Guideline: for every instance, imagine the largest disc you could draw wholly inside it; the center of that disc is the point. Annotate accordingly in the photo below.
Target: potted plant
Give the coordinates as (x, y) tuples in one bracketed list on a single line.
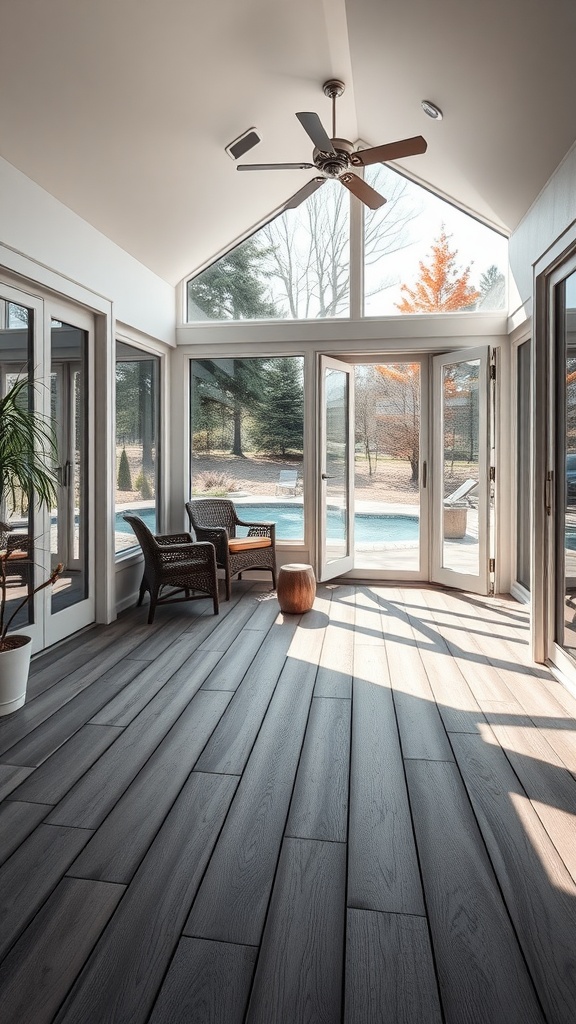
[(27, 451)]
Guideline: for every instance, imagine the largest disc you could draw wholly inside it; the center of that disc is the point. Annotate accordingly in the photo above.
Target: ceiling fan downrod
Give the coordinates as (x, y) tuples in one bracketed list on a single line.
[(333, 88)]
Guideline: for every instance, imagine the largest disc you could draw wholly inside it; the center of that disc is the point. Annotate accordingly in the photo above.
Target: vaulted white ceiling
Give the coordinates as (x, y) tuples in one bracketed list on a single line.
[(121, 109)]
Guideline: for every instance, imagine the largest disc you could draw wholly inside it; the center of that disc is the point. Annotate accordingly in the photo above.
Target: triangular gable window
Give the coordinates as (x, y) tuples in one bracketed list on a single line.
[(421, 255)]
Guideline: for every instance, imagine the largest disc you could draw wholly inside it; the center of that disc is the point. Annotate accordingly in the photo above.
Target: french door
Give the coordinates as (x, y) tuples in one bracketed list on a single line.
[(420, 510), (50, 345), (336, 469), (461, 485), (70, 603)]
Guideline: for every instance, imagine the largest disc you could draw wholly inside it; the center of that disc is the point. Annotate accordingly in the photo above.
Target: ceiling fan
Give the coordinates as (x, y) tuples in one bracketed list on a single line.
[(336, 157)]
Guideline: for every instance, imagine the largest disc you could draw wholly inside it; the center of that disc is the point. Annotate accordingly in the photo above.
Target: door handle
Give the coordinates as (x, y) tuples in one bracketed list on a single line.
[(424, 474), (325, 476), (67, 474)]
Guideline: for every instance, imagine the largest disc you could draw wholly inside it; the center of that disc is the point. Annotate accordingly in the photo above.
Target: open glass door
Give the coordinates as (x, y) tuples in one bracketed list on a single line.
[(70, 603), (336, 469), (461, 493)]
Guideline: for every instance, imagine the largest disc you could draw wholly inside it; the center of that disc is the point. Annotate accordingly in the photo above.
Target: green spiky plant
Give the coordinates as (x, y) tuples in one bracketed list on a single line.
[(28, 450)]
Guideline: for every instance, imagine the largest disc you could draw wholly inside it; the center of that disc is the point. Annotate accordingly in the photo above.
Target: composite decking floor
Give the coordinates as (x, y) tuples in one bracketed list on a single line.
[(364, 814)]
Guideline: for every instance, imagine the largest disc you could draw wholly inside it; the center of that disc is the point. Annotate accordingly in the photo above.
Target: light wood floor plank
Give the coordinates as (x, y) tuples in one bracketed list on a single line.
[(484, 683), (539, 892), (550, 788), (336, 667), (383, 869), (421, 728), (457, 705)]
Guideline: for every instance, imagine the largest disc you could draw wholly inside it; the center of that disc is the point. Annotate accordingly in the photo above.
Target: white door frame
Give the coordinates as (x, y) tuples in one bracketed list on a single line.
[(60, 624), (327, 570), (477, 583)]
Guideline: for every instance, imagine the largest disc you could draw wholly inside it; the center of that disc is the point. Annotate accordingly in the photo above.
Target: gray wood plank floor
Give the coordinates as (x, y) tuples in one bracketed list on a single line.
[(362, 815)]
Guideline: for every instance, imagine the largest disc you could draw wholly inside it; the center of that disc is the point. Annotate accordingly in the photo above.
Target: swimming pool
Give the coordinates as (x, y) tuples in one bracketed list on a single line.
[(369, 527)]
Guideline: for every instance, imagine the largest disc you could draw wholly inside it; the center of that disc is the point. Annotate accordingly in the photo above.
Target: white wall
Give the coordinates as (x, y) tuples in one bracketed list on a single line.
[(38, 226), (551, 213)]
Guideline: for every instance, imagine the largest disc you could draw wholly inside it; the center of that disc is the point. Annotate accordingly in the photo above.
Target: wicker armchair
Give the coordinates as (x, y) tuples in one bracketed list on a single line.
[(216, 519), (19, 563), (176, 561)]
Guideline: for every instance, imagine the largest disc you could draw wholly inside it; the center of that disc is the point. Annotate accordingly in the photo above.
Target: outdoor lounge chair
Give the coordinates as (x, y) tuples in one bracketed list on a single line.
[(287, 481), (461, 493), (176, 561), (216, 519)]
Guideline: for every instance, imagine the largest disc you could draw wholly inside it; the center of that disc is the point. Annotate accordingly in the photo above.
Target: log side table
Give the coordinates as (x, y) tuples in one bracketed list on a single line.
[(296, 588)]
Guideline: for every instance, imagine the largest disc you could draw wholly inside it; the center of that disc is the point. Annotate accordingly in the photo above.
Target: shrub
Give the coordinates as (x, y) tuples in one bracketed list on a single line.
[(124, 478), (214, 482), (142, 484)]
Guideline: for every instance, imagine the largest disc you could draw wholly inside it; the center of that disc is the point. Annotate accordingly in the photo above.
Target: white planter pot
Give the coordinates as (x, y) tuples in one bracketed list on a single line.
[(14, 668)]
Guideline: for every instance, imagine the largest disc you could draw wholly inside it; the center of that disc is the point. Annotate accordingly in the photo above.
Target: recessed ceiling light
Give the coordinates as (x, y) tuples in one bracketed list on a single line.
[(432, 110)]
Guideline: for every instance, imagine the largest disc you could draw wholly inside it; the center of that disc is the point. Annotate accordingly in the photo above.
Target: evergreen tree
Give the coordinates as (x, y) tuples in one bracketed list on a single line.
[(278, 426), (492, 289), (237, 384), (442, 286), (233, 288), (124, 478)]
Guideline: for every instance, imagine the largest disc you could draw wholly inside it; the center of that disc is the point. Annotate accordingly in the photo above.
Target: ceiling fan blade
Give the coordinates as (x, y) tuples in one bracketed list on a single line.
[(273, 167), (303, 194), (362, 190), (312, 124), (391, 151)]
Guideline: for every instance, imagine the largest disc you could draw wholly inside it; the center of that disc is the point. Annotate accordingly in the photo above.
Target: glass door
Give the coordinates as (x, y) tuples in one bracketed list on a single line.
[(70, 603), (561, 480), (336, 469), (391, 468), (461, 503)]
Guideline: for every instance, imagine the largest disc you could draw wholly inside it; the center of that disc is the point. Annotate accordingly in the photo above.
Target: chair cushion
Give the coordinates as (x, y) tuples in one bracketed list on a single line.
[(248, 543)]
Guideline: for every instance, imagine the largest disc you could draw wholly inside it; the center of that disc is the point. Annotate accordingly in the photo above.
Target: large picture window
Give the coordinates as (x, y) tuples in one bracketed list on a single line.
[(137, 431), (247, 437)]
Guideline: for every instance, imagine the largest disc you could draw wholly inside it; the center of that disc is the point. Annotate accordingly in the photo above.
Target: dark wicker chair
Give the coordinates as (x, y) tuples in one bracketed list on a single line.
[(19, 564), (177, 561), (216, 519)]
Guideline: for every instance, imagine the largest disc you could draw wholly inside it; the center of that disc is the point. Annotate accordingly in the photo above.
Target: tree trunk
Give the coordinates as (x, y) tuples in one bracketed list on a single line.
[(237, 442)]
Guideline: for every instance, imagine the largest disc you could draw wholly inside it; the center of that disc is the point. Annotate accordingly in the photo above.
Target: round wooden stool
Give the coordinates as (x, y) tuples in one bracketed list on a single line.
[(296, 588)]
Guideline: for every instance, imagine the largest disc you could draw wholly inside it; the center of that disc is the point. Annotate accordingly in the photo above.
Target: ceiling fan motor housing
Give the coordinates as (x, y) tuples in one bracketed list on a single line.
[(333, 165)]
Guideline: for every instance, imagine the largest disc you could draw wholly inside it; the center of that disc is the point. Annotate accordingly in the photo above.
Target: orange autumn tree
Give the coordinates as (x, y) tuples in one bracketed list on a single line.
[(442, 287), (402, 422)]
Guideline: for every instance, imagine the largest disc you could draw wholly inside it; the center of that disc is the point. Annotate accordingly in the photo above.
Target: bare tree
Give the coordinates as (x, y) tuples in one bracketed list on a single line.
[(307, 251)]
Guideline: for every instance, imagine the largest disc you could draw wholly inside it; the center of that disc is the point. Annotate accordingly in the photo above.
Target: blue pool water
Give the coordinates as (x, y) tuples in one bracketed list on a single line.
[(289, 519)]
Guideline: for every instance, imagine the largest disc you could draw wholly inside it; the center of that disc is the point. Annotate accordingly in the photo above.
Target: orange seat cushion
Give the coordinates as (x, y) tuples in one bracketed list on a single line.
[(247, 543)]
